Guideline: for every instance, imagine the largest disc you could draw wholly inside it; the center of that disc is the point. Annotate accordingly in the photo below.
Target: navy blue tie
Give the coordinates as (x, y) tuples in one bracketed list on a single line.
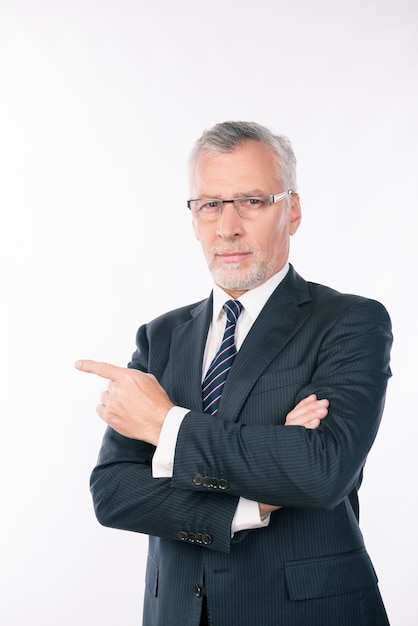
[(215, 378)]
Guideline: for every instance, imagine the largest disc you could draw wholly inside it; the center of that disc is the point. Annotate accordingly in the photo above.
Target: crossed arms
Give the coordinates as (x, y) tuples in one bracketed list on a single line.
[(135, 406), (298, 467)]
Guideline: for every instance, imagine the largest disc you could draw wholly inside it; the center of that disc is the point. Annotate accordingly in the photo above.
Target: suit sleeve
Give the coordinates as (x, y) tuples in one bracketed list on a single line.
[(127, 497), (289, 465)]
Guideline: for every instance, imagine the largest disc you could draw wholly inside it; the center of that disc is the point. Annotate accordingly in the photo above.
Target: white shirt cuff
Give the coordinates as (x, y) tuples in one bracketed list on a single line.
[(247, 516), (163, 459)]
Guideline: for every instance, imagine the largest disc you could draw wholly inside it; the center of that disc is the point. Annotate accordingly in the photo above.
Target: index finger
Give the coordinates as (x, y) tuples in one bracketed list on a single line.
[(104, 370)]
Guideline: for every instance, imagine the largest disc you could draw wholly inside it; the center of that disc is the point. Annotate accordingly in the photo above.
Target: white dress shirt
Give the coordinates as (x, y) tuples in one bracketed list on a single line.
[(247, 514)]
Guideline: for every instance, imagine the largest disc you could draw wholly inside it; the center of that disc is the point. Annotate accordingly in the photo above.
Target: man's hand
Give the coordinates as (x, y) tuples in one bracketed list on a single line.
[(134, 404), (308, 413)]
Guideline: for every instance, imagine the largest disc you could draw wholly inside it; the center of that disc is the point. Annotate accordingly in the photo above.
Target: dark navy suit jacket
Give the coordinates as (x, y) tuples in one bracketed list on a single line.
[(309, 567)]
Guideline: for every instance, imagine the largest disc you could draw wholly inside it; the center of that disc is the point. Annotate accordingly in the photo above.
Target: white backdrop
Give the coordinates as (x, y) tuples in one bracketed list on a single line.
[(100, 102)]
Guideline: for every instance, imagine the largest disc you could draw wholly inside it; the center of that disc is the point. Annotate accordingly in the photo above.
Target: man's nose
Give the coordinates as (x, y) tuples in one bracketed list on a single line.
[(230, 224)]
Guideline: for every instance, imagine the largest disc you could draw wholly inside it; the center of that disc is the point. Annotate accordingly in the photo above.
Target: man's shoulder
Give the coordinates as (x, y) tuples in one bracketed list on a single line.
[(325, 297), (336, 303)]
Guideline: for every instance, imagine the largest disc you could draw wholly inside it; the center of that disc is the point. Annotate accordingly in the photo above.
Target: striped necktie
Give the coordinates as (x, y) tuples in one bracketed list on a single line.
[(215, 378)]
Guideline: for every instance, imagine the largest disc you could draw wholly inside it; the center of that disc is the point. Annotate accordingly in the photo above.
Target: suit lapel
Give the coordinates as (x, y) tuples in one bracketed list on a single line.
[(279, 321), (187, 348)]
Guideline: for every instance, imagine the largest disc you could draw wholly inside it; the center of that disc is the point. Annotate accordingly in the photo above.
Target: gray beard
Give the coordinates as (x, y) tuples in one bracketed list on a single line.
[(240, 281)]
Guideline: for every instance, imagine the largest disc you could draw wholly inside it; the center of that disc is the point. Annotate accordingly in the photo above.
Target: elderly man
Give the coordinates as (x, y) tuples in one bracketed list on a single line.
[(238, 433)]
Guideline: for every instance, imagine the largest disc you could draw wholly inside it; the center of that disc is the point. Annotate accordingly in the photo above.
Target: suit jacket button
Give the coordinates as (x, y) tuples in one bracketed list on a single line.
[(198, 479), (183, 535), (199, 538), (214, 483), (207, 481), (207, 539), (198, 591), (223, 483), (192, 537)]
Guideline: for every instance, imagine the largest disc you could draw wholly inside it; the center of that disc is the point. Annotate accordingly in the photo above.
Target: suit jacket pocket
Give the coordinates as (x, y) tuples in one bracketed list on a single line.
[(151, 576), (329, 576)]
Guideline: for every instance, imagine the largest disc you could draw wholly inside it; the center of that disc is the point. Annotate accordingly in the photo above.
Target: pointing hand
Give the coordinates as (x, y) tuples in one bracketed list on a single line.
[(134, 404)]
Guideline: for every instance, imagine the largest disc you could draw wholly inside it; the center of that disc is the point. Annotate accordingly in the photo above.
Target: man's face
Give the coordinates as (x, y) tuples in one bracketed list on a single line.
[(244, 252)]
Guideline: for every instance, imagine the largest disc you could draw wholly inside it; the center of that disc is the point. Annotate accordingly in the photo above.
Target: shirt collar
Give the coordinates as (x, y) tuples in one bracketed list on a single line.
[(252, 300)]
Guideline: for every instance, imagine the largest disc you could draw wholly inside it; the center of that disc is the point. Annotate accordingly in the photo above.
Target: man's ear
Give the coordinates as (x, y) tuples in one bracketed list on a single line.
[(295, 213)]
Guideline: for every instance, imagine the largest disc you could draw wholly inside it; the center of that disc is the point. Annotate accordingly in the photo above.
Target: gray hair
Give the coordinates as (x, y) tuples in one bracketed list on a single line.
[(227, 136)]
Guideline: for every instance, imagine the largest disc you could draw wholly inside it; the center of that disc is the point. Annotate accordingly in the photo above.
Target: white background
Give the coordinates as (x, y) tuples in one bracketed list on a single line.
[(100, 102)]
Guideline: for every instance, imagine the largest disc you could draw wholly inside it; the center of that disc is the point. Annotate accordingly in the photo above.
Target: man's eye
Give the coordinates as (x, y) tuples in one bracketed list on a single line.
[(211, 205), (253, 203)]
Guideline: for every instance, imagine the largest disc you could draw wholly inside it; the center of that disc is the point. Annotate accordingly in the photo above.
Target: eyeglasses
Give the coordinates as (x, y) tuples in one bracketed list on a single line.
[(208, 209)]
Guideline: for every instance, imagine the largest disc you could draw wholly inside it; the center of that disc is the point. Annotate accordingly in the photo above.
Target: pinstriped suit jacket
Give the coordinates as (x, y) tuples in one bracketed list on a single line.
[(309, 567)]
